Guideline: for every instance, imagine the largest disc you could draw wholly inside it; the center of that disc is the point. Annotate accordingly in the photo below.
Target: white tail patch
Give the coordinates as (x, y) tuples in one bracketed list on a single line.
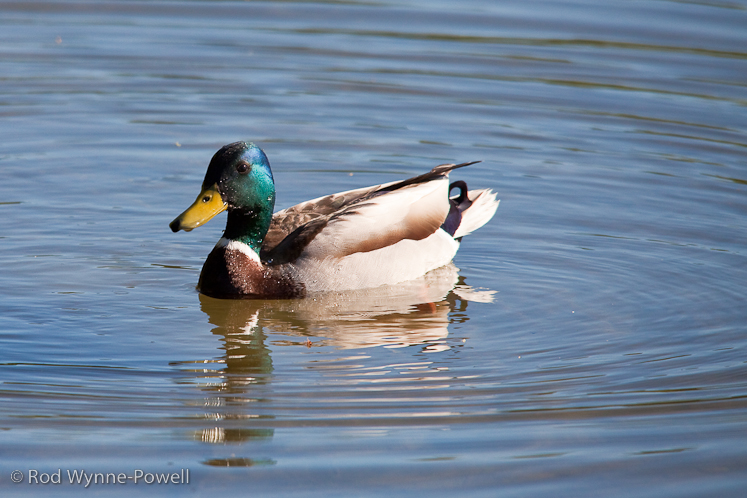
[(480, 212)]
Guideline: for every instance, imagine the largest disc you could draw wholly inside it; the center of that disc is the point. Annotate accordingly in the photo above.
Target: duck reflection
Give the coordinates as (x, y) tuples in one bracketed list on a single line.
[(412, 313)]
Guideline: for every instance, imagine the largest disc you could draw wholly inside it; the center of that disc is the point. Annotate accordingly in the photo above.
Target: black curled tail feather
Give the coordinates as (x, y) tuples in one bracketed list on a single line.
[(457, 205)]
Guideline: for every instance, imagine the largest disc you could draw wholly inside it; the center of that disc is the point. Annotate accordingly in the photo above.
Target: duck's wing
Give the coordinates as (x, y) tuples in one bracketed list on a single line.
[(290, 219), (361, 220)]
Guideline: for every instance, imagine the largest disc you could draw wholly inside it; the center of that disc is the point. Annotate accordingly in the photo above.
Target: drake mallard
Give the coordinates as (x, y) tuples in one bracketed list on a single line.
[(357, 239)]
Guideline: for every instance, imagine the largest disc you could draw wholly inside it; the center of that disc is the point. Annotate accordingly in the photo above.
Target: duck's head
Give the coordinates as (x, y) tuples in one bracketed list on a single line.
[(239, 180)]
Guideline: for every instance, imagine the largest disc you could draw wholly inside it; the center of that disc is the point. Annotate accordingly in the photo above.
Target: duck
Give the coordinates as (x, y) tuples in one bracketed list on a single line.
[(362, 238)]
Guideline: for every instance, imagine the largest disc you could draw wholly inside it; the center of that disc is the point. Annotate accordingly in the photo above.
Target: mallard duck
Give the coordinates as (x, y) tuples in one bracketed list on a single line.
[(357, 239)]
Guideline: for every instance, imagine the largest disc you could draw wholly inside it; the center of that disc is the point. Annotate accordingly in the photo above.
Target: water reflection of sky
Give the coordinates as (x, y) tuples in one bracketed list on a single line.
[(610, 360)]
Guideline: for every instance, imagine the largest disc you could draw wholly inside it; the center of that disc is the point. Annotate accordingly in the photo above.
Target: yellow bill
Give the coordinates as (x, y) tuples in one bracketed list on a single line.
[(208, 204)]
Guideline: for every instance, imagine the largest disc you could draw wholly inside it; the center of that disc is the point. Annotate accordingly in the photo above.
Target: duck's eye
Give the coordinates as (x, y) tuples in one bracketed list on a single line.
[(242, 168)]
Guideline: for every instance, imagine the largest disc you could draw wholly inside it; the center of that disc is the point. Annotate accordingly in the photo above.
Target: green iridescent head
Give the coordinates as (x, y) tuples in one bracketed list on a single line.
[(243, 176), (239, 180)]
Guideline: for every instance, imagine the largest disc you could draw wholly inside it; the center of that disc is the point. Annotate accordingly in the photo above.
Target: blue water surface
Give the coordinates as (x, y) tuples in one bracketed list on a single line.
[(589, 341)]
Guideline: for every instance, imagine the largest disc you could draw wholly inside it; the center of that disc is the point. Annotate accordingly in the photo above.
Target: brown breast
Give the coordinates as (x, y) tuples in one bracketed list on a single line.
[(232, 274)]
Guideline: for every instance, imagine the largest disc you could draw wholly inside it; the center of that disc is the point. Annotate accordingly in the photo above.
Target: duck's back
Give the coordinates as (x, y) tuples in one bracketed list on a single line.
[(374, 236)]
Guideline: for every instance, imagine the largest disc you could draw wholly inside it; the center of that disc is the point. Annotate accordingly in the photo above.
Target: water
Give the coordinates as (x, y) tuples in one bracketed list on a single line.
[(591, 343)]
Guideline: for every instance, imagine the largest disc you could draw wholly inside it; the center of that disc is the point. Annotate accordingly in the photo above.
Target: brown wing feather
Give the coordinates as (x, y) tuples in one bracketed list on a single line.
[(293, 229), (288, 220)]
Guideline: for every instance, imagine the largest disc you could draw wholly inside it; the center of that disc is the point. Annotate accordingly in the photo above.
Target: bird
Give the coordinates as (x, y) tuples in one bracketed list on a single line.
[(358, 239)]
